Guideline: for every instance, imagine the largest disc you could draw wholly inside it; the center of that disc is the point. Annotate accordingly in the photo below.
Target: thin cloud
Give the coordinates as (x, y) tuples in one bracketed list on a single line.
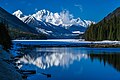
[(36, 9), (79, 6)]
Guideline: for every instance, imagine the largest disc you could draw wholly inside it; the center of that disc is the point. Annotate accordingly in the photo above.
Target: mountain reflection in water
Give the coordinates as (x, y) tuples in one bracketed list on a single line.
[(47, 59)]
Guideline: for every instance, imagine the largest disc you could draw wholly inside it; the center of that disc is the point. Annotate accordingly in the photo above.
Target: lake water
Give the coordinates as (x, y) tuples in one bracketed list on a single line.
[(71, 63)]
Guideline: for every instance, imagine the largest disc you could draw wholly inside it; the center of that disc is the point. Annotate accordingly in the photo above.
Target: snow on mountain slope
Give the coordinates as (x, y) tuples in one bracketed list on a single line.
[(56, 24), (63, 18), (14, 22), (18, 14), (30, 20), (88, 22)]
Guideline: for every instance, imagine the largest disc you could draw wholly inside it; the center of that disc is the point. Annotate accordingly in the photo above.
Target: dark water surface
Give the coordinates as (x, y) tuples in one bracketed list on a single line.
[(71, 63)]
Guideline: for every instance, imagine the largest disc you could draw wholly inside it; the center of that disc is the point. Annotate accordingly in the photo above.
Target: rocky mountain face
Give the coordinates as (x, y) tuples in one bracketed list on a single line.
[(43, 24), (14, 22), (59, 25), (63, 18), (17, 28)]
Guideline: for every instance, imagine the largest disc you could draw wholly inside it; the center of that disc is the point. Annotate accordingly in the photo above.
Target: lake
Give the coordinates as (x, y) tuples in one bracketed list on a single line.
[(70, 63)]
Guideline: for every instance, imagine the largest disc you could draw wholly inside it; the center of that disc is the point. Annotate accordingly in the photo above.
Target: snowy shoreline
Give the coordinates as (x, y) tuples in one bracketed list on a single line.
[(68, 43)]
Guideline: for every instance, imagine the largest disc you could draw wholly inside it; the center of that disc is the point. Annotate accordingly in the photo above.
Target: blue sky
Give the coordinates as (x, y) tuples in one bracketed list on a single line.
[(85, 9)]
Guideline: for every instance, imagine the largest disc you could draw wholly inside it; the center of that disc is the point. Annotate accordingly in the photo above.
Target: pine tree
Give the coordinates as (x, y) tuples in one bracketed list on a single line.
[(5, 39)]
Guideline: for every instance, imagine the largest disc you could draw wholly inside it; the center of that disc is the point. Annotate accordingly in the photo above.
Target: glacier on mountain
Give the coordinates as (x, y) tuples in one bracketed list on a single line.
[(63, 18), (55, 24)]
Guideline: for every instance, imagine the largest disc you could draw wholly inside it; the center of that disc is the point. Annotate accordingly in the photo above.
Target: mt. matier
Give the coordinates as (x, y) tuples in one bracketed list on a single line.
[(106, 29), (43, 24), (55, 25)]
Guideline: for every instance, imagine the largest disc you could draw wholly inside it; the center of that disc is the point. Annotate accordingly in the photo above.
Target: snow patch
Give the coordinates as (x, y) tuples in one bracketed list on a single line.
[(63, 18), (77, 32)]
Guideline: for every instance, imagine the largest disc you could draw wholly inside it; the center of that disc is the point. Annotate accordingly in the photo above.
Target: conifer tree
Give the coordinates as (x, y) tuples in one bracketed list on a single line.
[(5, 39)]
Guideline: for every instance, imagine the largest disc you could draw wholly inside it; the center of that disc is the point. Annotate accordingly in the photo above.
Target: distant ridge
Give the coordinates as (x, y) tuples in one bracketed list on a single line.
[(55, 25), (18, 29), (14, 22)]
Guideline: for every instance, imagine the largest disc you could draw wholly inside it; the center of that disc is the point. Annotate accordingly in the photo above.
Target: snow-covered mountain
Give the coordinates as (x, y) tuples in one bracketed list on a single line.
[(15, 23), (63, 18), (57, 24)]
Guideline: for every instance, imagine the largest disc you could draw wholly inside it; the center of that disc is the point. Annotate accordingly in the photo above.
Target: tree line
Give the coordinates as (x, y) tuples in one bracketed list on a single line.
[(7, 33), (5, 39), (107, 29)]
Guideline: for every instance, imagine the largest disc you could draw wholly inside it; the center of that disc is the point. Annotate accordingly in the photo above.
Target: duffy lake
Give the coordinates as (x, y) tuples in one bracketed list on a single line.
[(69, 63)]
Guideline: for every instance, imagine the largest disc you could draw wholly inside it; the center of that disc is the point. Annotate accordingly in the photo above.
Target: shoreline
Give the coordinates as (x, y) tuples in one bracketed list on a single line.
[(8, 70), (68, 43)]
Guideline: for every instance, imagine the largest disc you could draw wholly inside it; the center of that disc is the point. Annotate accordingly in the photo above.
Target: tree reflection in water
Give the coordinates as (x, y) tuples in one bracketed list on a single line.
[(112, 59), (46, 59)]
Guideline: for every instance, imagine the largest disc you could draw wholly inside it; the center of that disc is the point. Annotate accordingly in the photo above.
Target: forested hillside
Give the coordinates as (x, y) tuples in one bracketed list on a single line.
[(5, 39), (107, 29)]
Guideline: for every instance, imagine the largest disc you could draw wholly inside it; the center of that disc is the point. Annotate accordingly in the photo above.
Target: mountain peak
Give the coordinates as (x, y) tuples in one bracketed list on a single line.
[(40, 15), (18, 14), (45, 12), (64, 18)]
